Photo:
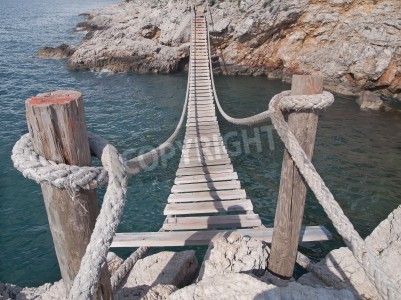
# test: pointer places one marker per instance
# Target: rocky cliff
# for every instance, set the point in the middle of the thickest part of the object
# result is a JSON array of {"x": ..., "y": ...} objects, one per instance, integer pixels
[{"x": 354, "y": 44}]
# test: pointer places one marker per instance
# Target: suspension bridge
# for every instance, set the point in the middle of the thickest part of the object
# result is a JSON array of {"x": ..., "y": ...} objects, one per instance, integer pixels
[{"x": 206, "y": 199}]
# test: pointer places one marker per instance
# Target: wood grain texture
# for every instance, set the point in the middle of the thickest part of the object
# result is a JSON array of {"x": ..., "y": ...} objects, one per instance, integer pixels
[
  {"x": 58, "y": 131},
  {"x": 292, "y": 192},
  {"x": 193, "y": 238}
]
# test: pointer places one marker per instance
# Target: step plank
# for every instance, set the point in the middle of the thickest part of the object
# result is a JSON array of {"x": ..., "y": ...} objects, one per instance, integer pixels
[
  {"x": 206, "y": 178},
  {"x": 204, "y": 187},
  {"x": 212, "y": 222},
  {"x": 208, "y": 207},
  {"x": 198, "y": 238},
  {"x": 207, "y": 196}
]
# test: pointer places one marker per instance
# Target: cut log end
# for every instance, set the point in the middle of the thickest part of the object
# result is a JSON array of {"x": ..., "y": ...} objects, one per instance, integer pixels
[{"x": 56, "y": 97}]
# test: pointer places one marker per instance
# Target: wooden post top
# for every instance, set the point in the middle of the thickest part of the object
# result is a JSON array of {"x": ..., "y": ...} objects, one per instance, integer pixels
[
  {"x": 56, "y": 97},
  {"x": 306, "y": 85}
]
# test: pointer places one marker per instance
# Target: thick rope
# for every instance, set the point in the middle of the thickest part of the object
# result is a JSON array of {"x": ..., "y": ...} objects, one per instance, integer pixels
[
  {"x": 384, "y": 284},
  {"x": 41, "y": 170},
  {"x": 86, "y": 281}
]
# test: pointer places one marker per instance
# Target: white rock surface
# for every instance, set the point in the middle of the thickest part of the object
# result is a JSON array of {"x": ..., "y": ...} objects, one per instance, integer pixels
[
  {"x": 234, "y": 254},
  {"x": 354, "y": 44},
  {"x": 145, "y": 292},
  {"x": 341, "y": 270},
  {"x": 242, "y": 286},
  {"x": 167, "y": 268}
]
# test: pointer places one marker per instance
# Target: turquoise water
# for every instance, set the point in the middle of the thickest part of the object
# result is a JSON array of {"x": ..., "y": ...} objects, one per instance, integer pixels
[{"x": 357, "y": 153}]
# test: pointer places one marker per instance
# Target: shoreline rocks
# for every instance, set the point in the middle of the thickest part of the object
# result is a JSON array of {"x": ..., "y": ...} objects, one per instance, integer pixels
[
  {"x": 353, "y": 44},
  {"x": 63, "y": 51}
]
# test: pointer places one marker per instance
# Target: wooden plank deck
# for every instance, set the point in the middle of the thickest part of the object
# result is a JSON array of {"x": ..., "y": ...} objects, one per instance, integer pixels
[{"x": 207, "y": 193}]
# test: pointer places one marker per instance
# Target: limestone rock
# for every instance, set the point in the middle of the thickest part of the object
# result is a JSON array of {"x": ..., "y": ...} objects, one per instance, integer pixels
[
  {"x": 145, "y": 292},
  {"x": 61, "y": 52},
  {"x": 113, "y": 262},
  {"x": 353, "y": 44},
  {"x": 370, "y": 101},
  {"x": 234, "y": 254},
  {"x": 243, "y": 286},
  {"x": 47, "y": 291},
  {"x": 167, "y": 268},
  {"x": 341, "y": 271}
]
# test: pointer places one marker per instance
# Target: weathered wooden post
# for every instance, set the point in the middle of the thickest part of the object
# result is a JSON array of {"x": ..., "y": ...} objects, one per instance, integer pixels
[
  {"x": 292, "y": 193},
  {"x": 56, "y": 122}
]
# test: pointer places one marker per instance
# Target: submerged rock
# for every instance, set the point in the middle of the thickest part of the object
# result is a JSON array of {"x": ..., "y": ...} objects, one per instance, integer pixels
[
  {"x": 370, "y": 101},
  {"x": 61, "y": 52}
]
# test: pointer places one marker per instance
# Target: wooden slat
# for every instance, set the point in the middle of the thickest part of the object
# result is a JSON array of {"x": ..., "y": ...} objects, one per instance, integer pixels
[
  {"x": 200, "y": 130},
  {"x": 215, "y": 162},
  {"x": 203, "y": 144},
  {"x": 206, "y": 178},
  {"x": 187, "y": 159},
  {"x": 207, "y": 196},
  {"x": 212, "y": 222},
  {"x": 193, "y": 238},
  {"x": 208, "y": 186},
  {"x": 208, "y": 207}
]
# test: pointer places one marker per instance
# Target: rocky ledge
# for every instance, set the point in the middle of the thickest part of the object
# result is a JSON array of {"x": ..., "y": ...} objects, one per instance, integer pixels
[
  {"x": 234, "y": 268},
  {"x": 354, "y": 44}
]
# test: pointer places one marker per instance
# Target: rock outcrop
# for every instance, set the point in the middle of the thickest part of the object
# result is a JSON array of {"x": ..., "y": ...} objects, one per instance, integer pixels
[
  {"x": 243, "y": 286},
  {"x": 171, "y": 268},
  {"x": 354, "y": 44},
  {"x": 234, "y": 254},
  {"x": 61, "y": 52},
  {"x": 342, "y": 271}
]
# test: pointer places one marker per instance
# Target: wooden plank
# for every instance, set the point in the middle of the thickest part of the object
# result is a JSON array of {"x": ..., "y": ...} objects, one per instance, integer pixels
[
  {"x": 208, "y": 207},
  {"x": 198, "y": 238},
  {"x": 206, "y": 159},
  {"x": 215, "y": 162},
  {"x": 193, "y": 139},
  {"x": 212, "y": 222},
  {"x": 206, "y": 178},
  {"x": 204, "y": 150},
  {"x": 213, "y": 136},
  {"x": 203, "y": 144},
  {"x": 204, "y": 126},
  {"x": 200, "y": 123},
  {"x": 203, "y": 131},
  {"x": 207, "y": 196},
  {"x": 208, "y": 186}
]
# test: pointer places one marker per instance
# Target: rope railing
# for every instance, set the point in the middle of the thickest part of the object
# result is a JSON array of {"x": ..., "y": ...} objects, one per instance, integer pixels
[{"x": 115, "y": 172}]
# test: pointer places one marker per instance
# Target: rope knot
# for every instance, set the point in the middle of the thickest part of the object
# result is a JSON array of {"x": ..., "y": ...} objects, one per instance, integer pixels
[
  {"x": 286, "y": 102},
  {"x": 41, "y": 170}
]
